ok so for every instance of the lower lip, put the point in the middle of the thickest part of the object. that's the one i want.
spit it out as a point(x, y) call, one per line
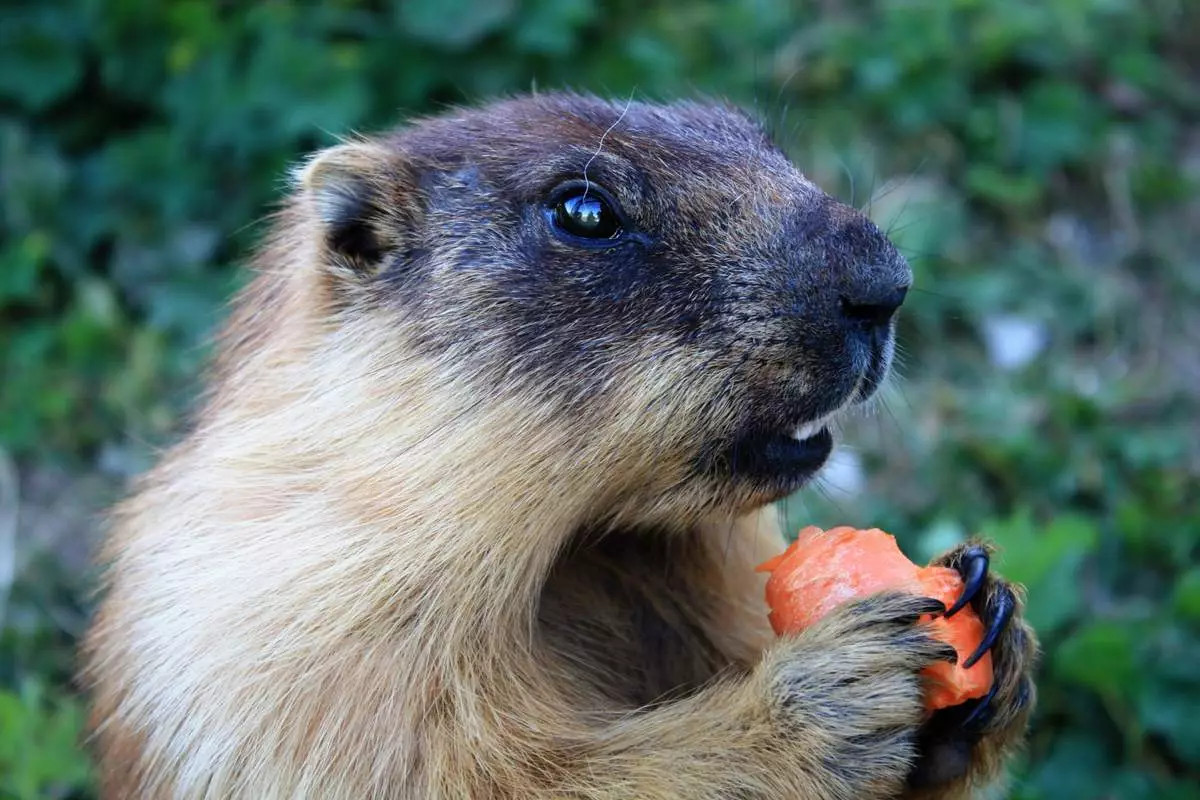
point(781, 460)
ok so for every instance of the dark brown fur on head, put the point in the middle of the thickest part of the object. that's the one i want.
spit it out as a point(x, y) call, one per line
point(730, 265)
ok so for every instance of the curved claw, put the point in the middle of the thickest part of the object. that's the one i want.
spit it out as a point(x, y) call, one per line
point(973, 566)
point(1000, 611)
point(982, 710)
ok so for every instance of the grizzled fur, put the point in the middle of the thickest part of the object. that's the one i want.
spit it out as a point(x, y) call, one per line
point(461, 516)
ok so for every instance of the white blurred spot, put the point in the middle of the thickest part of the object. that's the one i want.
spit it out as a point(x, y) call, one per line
point(943, 535)
point(1012, 342)
point(843, 474)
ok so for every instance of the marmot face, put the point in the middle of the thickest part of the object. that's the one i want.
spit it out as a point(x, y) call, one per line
point(660, 279)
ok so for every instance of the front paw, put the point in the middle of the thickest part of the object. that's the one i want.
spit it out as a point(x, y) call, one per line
point(969, 743)
point(849, 688)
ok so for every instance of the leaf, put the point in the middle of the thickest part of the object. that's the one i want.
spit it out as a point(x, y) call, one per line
point(1077, 766)
point(20, 267)
point(40, 59)
point(453, 24)
point(1001, 187)
point(1055, 599)
point(1102, 656)
point(1171, 709)
point(1186, 597)
point(1060, 125)
point(38, 753)
point(552, 26)
point(1031, 552)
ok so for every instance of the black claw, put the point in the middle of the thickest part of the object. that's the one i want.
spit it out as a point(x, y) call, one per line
point(931, 605)
point(966, 722)
point(979, 715)
point(1000, 611)
point(907, 611)
point(973, 566)
point(919, 607)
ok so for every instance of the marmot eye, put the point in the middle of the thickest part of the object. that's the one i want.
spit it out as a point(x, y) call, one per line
point(585, 213)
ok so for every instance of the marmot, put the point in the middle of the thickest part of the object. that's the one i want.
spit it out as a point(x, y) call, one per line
point(473, 506)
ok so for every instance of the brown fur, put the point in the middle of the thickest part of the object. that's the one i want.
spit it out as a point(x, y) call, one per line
point(438, 531)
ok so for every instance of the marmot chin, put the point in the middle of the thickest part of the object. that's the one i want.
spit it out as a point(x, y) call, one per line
point(473, 504)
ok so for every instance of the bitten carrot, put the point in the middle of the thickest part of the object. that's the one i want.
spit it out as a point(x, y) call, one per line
point(823, 569)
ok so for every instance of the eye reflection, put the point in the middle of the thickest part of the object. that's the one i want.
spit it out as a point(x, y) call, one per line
point(586, 211)
point(587, 215)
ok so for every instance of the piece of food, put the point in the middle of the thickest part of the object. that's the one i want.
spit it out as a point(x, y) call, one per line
point(824, 569)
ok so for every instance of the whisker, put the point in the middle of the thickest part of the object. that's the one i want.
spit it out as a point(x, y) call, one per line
point(942, 295)
point(600, 145)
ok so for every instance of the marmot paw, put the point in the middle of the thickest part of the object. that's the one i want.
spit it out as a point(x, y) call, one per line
point(971, 740)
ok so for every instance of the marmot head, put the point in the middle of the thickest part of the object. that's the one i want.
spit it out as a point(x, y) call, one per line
point(659, 282)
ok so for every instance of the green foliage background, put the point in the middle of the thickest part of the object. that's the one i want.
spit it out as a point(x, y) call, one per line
point(1038, 160)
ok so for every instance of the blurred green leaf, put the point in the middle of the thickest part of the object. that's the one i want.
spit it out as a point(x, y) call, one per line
point(40, 59)
point(1002, 188)
point(1076, 766)
point(1101, 656)
point(452, 23)
point(1032, 551)
point(553, 26)
point(20, 267)
point(1171, 710)
point(38, 745)
point(1187, 595)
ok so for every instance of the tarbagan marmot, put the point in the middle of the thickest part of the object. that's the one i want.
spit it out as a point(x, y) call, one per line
point(473, 506)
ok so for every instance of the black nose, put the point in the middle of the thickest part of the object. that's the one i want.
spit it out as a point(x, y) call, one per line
point(873, 309)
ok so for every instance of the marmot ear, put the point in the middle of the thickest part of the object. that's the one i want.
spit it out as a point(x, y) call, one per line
point(364, 195)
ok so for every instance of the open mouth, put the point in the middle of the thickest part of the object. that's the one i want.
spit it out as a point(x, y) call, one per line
point(782, 461)
point(773, 459)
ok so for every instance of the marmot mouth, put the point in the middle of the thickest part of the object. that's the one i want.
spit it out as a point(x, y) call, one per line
point(779, 461)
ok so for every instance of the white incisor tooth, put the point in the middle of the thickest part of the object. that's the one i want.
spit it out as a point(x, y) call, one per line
point(808, 430)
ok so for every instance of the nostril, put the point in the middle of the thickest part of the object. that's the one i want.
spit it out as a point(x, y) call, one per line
point(874, 310)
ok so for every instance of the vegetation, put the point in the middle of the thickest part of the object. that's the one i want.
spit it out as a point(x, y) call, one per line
point(1038, 160)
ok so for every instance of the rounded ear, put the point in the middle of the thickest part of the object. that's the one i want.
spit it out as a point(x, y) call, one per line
point(364, 196)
